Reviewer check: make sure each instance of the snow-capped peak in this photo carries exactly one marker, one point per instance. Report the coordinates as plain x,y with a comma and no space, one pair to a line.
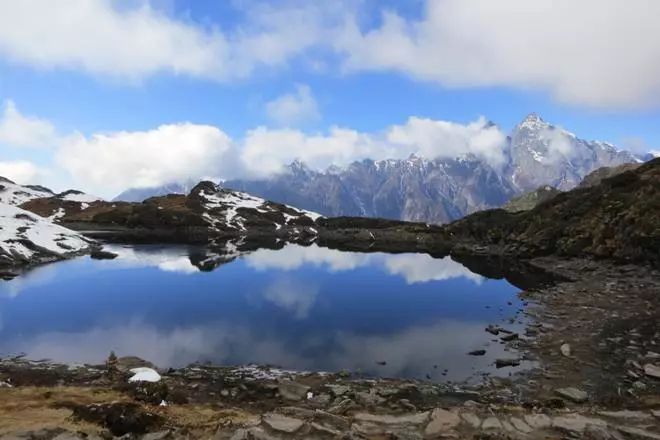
532,122
14,194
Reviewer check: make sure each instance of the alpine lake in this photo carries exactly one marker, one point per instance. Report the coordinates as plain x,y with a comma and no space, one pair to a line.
303,308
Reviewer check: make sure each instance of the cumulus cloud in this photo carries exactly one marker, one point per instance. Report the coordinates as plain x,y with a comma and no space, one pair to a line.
20,171
108,163
294,108
19,130
597,53
102,38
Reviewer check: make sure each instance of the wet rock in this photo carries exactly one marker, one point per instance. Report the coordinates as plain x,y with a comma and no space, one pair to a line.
291,390
279,422
655,413
652,371
538,421
572,394
510,337
493,330
520,425
102,255
507,362
441,421
477,353
575,423
398,420
491,423
471,419
565,350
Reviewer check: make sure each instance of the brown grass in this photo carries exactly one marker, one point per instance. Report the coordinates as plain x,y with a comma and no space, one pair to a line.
29,408
34,408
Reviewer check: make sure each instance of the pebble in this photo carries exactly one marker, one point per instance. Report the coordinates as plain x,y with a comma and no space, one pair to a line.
491,423
471,419
565,350
572,394
520,425
281,423
652,371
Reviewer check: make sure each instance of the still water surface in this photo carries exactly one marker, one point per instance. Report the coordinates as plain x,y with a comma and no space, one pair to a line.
304,308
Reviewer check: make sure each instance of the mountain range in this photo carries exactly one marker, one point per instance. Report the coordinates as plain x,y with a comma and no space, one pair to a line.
439,190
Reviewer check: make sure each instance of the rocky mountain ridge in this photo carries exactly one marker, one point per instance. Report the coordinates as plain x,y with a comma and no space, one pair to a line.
437,190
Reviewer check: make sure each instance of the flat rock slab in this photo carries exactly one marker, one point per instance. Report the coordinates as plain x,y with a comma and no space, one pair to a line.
520,425
291,390
471,419
538,421
441,421
281,423
407,419
640,434
626,415
572,394
575,423
652,371
492,423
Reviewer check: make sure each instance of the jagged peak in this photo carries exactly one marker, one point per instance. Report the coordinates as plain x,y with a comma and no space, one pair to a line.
532,122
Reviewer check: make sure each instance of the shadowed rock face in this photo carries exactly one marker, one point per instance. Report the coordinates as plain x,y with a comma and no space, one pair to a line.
619,218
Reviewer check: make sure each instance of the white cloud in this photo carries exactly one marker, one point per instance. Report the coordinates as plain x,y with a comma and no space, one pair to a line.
18,130
20,171
294,108
598,53
99,37
108,163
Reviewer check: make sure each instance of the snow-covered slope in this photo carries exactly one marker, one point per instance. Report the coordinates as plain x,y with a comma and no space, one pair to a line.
225,209
56,207
14,194
26,238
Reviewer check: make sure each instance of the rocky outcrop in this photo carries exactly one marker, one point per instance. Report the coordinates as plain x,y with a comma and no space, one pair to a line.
530,200
209,212
27,239
596,177
618,219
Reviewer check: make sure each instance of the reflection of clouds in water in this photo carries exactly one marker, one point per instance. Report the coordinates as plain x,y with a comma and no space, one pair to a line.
415,268
36,277
411,352
168,259
292,295
293,257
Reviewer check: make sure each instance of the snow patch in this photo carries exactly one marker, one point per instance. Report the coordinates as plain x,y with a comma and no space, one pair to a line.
144,374
18,226
13,194
81,198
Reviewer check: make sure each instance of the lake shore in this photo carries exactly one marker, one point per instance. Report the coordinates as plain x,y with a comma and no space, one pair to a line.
592,330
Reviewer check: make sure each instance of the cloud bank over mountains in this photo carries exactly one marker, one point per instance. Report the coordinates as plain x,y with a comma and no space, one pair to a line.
591,53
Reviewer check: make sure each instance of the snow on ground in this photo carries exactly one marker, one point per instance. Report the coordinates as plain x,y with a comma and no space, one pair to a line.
81,198
13,194
231,201
19,229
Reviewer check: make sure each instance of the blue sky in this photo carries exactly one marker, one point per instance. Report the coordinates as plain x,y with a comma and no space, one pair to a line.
244,86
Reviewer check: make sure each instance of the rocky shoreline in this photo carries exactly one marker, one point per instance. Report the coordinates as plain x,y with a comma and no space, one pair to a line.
592,332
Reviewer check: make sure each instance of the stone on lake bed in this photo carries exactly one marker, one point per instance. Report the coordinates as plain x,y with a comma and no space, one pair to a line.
477,353
510,337
512,362
572,394
565,350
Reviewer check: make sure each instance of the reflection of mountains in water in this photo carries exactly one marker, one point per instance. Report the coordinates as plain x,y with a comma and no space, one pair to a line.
278,254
